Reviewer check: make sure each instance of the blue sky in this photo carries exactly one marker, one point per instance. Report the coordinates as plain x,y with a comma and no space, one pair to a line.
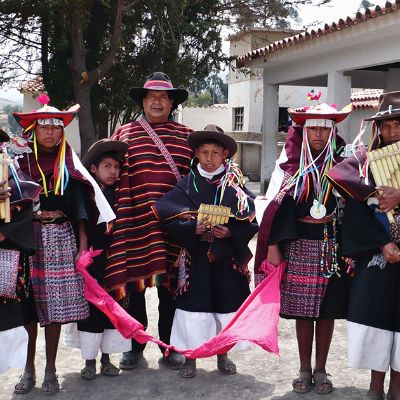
328,13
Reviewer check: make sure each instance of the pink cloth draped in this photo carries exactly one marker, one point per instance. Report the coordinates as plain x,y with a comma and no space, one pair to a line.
256,321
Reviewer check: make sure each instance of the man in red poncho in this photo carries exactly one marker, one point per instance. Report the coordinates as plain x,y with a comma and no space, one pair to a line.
139,255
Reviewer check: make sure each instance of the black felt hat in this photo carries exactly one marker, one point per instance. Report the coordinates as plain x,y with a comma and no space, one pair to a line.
103,146
159,81
213,132
389,107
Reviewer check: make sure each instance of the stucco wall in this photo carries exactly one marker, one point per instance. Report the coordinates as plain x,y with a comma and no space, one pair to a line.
198,117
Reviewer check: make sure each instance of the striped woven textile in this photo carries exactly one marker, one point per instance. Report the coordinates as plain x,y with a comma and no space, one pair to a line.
138,250
303,285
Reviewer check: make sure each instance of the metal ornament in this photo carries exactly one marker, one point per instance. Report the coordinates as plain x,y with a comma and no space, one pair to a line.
317,211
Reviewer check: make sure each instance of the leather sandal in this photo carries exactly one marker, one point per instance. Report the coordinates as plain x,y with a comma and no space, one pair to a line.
226,365
375,396
50,385
302,384
322,384
109,369
88,372
26,383
188,369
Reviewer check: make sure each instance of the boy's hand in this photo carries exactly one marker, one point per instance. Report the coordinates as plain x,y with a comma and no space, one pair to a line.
391,253
221,231
202,226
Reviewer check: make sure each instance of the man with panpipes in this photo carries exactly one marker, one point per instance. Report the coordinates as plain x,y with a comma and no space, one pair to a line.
371,237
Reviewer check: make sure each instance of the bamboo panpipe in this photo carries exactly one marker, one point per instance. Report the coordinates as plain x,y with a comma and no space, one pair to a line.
4,205
214,215
385,168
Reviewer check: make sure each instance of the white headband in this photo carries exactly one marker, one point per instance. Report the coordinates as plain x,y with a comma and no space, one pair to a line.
51,121
323,123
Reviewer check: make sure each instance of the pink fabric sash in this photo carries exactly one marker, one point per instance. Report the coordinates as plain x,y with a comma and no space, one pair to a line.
256,321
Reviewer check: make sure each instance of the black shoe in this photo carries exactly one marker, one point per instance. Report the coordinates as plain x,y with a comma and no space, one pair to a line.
173,361
130,360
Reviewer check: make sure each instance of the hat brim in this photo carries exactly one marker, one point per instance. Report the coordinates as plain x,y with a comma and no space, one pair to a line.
379,117
102,147
300,118
229,143
179,95
4,136
26,119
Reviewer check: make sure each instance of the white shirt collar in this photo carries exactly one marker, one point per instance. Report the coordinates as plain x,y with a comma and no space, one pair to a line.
210,175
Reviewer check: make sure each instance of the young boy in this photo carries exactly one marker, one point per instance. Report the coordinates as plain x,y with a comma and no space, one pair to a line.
213,280
103,160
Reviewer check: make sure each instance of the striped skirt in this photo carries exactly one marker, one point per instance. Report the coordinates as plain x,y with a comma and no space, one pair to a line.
303,284
57,286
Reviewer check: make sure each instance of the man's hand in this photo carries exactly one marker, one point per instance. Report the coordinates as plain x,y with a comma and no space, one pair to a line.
221,231
4,193
388,198
391,253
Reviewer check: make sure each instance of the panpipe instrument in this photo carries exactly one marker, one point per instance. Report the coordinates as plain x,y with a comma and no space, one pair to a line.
385,168
213,215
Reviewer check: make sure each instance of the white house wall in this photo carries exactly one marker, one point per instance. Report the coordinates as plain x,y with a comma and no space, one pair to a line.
198,117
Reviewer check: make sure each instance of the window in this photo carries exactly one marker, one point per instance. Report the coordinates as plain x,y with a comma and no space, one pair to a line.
238,113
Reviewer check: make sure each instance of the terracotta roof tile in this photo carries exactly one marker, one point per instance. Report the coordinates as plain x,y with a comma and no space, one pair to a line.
35,85
366,99
369,13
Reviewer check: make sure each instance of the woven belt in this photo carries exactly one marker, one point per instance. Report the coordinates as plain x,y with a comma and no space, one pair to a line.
308,219
48,215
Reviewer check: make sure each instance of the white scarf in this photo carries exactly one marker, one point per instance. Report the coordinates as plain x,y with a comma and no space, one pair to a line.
210,175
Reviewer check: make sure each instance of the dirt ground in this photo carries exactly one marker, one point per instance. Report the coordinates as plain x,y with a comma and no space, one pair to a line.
260,374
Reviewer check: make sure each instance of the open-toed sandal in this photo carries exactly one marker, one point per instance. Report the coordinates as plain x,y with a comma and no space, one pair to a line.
302,384
226,365
26,383
377,396
88,372
188,369
322,385
50,385
109,369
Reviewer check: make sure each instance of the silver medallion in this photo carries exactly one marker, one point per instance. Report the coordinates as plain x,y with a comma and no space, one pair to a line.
317,211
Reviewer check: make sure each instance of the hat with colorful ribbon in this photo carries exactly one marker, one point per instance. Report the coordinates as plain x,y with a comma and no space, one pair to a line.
51,115
318,112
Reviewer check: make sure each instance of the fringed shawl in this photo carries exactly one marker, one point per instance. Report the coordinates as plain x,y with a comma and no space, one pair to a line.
286,167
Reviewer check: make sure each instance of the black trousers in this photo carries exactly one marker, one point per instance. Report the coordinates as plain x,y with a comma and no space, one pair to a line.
166,310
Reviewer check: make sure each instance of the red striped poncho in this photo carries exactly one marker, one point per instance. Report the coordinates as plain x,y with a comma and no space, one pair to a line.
139,251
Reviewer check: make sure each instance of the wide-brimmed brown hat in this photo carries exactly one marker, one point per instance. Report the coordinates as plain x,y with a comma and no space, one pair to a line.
103,146
213,132
389,107
159,81
321,111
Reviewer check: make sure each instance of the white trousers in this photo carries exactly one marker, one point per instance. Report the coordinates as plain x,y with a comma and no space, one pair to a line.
110,341
372,348
13,348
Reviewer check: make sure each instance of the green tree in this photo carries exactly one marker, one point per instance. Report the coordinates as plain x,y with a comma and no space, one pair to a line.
365,4
92,51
